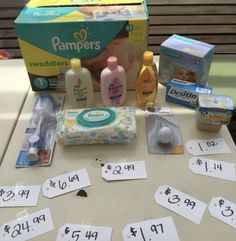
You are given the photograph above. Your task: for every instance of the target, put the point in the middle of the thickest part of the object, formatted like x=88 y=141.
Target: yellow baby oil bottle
x=79 y=85
x=147 y=82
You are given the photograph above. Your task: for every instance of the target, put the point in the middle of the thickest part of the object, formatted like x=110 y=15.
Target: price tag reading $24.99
x=68 y=182
x=207 y=147
x=180 y=203
x=124 y=170
x=151 y=230
x=76 y=232
x=223 y=210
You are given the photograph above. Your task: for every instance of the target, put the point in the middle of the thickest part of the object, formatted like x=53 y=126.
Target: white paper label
x=162 y=229
x=180 y=203
x=212 y=168
x=68 y=182
x=124 y=170
x=223 y=210
x=19 y=196
x=77 y=232
x=207 y=146
x=28 y=227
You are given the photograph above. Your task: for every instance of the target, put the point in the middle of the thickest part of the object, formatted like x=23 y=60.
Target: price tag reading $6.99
x=151 y=230
x=223 y=210
x=207 y=147
x=124 y=170
x=180 y=203
x=76 y=232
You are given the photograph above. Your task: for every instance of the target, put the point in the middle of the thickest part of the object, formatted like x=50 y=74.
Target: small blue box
x=186 y=59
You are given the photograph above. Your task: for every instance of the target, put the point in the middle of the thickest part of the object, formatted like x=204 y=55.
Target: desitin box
x=50 y=33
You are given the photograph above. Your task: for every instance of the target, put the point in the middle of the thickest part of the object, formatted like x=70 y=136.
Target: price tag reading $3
x=180 y=203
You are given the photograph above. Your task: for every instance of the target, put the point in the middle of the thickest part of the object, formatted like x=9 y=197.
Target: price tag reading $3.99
x=207 y=147
x=223 y=210
x=124 y=170
x=180 y=203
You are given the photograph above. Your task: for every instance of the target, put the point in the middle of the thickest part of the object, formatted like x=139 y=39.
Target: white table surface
x=115 y=204
x=13 y=91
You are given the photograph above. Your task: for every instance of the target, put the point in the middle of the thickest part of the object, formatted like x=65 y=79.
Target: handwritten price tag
x=124 y=171
x=207 y=147
x=19 y=196
x=68 y=182
x=180 y=203
x=76 y=232
x=213 y=168
x=27 y=228
x=223 y=210
x=151 y=230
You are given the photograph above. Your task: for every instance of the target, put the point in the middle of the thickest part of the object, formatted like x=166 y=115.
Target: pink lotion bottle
x=113 y=83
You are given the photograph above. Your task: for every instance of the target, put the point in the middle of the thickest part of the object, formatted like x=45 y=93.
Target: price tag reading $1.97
x=28 y=227
x=180 y=203
x=76 y=232
x=151 y=230
x=68 y=182
x=124 y=170
x=213 y=168
x=223 y=210
x=207 y=147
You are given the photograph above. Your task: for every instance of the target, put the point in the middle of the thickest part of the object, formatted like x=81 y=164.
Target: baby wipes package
x=107 y=125
x=186 y=59
x=50 y=33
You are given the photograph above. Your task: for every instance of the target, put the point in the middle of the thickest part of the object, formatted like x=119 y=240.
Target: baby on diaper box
x=185 y=59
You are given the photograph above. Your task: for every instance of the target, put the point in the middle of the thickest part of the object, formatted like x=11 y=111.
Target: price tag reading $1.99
x=68 y=182
x=207 y=147
x=213 y=168
x=124 y=171
x=151 y=230
x=76 y=232
x=28 y=227
x=180 y=203
x=223 y=210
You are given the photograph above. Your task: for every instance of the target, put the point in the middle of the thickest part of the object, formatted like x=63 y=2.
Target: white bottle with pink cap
x=113 y=83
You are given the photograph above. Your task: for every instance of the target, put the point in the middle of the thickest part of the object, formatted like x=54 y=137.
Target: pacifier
x=165 y=135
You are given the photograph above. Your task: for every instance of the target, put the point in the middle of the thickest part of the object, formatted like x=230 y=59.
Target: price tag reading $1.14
x=124 y=170
x=151 y=230
x=77 y=232
x=212 y=168
x=207 y=147
x=68 y=182
x=28 y=227
x=223 y=210
x=180 y=203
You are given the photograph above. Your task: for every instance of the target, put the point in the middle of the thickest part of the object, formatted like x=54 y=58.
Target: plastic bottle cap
x=148 y=58
x=75 y=64
x=112 y=62
x=32 y=154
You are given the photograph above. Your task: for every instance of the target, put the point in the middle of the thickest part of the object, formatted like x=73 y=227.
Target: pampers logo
x=79 y=44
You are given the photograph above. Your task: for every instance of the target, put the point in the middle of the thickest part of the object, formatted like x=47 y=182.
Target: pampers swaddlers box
x=51 y=32
x=186 y=59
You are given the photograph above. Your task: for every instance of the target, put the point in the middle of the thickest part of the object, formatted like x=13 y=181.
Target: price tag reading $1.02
x=223 y=210
x=207 y=147
x=151 y=230
x=212 y=168
x=28 y=227
x=68 y=182
x=77 y=232
x=180 y=203
x=124 y=170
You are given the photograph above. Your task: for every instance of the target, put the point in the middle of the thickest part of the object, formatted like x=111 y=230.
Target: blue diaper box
x=185 y=93
x=186 y=59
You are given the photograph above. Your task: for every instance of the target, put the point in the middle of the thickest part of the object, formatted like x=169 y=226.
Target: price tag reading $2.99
x=223 y=210
x=151 y=230
x=180 y=203
x=207 y=146
x=76 y=232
